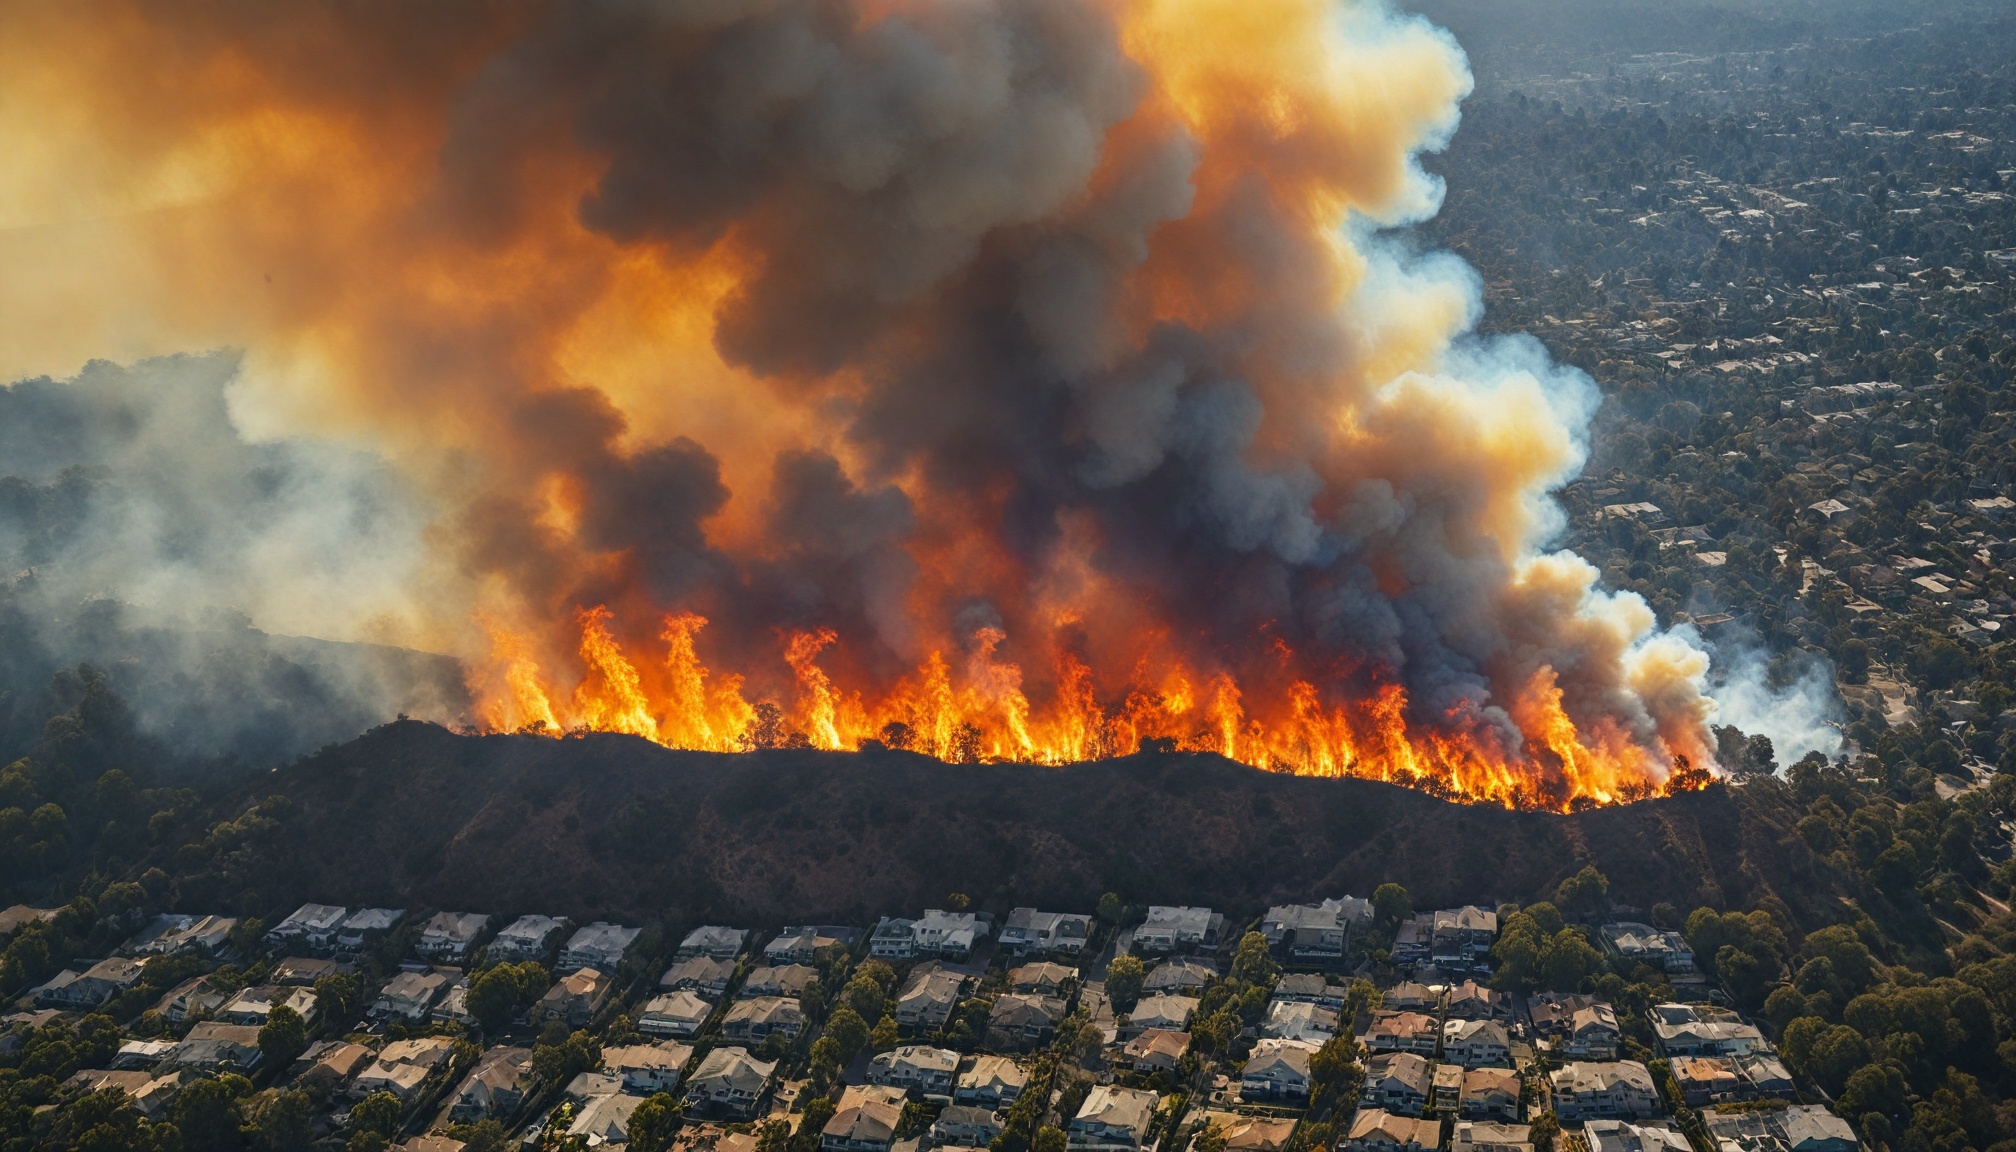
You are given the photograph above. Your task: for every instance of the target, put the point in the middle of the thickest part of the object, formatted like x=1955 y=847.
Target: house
x=1402 y=1032
x=1248 y=1134
x=453 y=1007
x=1169 y=1013
x=311 y=926
x=894 y=938
x=495 y=1087
x=404 y=1066
x=305 y=970
x=1641 y=943
x=450 y=937
x=599 y=945
x=1296 y=1020
x=364 y=925
x=91 y=987
x=430 y=1144
x=255 y=1006
x=1113 y=1118
x=1413 y=940
x=1797 y=1128
x=953 y=934
x=1617 y=1136
x=1046 y=978
x=964 y=1126
x=1767 y=1076
x=696 y=1137
x=139 y=1054
x=1553 y=1013
x=784 y=980
x=869 y=1126
x=576 y=998
x=170 y=934
x=1463 y=936
x=702 y=974
x=1474 y=1136
x=1473 y=1001
x=1445 y=1092
x=193 y=999
x=1157 y=1050
x=1310 y=988
x=1182 y=974
x=1476 y=1043
x=1277 y=1070
x=715 y=941
x=679 y=1014
x=408 y=996
x=754 y=1020
x=604 y=1119
x=213 y=1047
x=1681 y=1030
x=1592 y=1034
x=334 y=1063
x=1611 y=1090
x=797 y=945
x=992 y=1082
x=1028 y=931
x=916 y=1068
x=1489 y=1094
x=526 y=938
x=730 y=1082
x=1023 y=1020
x=1314 y=933
x=1706 y=1080
x=928 y=998
x=648 y=1068
x=1168 y=929
x=1397 y=1082
x=1408 y=996
x=1377 y=1130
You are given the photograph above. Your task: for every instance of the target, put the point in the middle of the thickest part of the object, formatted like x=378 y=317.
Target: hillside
x=416 y=816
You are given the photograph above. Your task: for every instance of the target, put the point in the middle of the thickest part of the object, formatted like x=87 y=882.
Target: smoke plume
x=996 y=377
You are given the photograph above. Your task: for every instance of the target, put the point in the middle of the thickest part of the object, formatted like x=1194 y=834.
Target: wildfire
x=984 y=716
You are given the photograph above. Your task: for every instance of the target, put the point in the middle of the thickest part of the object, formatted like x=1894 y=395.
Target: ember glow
x=997 y=379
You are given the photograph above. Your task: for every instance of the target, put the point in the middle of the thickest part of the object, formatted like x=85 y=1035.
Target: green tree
x=561 y=1062
x=377 y=1113
x=1252 y=962
x=865 y=997
x=884 y=1036
x=1048 y=1139
x=848 y=1031
x=281 y=1120
x=1112 y=908
x=283 y=1037
x=1124 y=976
x=1391 y=905
x=654 y=1123
x=818 y=1111
x=1585 y=894
x=209 y=1116
x=497 y=995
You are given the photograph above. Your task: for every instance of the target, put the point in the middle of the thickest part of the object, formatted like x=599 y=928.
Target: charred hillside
x=416 y=816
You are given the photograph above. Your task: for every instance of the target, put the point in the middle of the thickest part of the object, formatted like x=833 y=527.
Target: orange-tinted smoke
x=1010 y=379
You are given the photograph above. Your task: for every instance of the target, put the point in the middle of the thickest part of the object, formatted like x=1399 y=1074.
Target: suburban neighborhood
x=1347 y=1023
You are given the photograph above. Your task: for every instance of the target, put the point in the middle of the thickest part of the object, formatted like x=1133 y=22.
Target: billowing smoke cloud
x=1029 y=373
x=136 y=529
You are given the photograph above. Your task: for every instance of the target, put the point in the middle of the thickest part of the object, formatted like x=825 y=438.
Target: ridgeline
x=412 y=815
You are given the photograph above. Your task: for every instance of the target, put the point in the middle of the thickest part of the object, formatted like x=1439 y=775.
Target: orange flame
x=986 y=716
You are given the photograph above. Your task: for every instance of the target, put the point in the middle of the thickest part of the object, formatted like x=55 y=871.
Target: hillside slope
x=413 y=815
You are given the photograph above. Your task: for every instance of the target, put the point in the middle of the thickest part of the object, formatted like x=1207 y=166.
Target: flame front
x=986 y=718
x=1000 y=379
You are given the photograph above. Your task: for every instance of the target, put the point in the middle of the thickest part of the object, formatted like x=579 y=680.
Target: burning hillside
x=998 y=379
